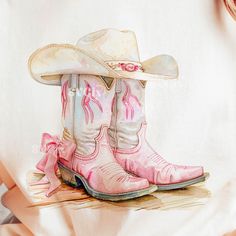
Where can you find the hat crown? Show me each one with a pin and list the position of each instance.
(111, 44)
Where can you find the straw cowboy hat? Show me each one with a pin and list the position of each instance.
(108, 53)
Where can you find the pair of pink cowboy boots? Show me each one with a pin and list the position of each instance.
(104, 146)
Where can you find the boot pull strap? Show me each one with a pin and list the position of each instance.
(74, 82)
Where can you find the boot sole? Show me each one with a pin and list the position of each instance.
(76, 180)
(162, 187)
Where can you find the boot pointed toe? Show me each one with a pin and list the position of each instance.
(136, 183)
(193, 172)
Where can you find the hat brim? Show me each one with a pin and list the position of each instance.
(48, 64)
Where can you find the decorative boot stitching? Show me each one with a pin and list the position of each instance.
(87, 98)
(114, 171)
(103, 135)
(129, 109)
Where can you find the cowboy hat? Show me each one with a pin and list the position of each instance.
(108, 52)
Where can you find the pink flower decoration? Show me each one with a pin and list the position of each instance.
(130, 67)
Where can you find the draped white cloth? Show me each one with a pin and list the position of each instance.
(191, 120)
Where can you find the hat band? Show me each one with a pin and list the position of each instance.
(129, 66)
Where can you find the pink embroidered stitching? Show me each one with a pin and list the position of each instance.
(130, 67)
(64, 98)
(86, 103)
(98, 140)
(129, 109)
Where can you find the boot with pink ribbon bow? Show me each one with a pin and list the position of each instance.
(102, 90)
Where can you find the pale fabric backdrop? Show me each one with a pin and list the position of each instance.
(191, 120)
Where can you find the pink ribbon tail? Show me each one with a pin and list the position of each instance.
(54, 149)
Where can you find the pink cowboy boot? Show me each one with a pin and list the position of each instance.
(93, 163)
(86, 111)
(131, 149)
(88, 102)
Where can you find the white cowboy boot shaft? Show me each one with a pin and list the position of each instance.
(131, 149)
(128, 114)
(92, 110)
(93, 160)
(68, 95)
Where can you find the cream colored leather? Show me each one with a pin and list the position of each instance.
(124, 127)
(90, 115)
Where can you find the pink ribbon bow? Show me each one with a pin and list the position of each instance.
(54, 149)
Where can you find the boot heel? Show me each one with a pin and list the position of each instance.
(69, 177)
